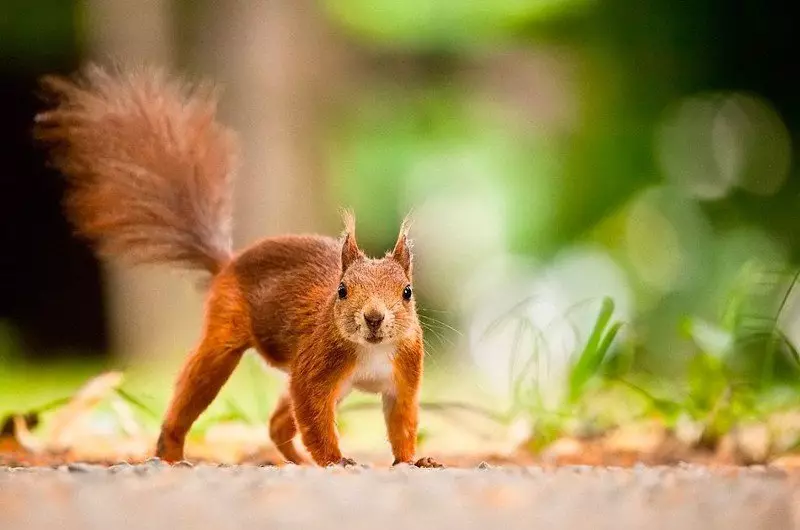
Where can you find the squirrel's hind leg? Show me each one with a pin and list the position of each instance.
(283, 429)
(199, 382)
(225, 339)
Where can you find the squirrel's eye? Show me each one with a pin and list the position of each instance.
(407, 293)
(342, 291)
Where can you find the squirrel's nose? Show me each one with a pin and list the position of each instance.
(374, 319)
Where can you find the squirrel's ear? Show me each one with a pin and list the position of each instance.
(350, 250)
(402, 249)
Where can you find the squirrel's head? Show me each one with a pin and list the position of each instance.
(375, 299)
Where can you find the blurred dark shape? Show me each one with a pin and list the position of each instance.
(51, 289)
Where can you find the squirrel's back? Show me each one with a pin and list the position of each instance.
(149, 167)
(287, 282)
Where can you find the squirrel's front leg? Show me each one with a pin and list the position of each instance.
(316, 382)
(400, 412)
(401, 405)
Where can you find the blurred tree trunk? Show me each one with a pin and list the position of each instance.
(273, 60)
(153, 312)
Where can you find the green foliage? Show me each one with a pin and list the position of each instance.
(9, 343)
(715, 393)
(585, 372)
(448, 25)
(41, 31)
(591, 359)
(709, 399)
(396, 150)
(423, 435)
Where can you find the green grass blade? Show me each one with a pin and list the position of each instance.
(768, 369)
(137, 403)
(666, 408)
(593, 353)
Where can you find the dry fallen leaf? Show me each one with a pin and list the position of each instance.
(65, 421)
(641, 438)
(231, 441)
(24, 437)
(126, 417)
(564, 448)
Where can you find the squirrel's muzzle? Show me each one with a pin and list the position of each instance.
(373, 319)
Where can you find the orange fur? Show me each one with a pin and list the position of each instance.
(283, 429)
(400, 410)
(225, 339)
(150, 169)
(149, 166)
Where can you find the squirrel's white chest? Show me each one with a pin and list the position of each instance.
(374, 370)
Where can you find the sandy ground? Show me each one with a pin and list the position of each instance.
(155, 496)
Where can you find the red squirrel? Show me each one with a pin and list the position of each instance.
(149, 169)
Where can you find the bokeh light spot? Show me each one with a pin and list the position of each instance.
(712, 143)
(653, 246)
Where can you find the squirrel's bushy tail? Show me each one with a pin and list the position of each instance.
(149, 167)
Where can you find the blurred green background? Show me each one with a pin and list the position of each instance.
(554, 153)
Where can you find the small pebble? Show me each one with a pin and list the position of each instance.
(485, 465)
(80, 467)
(184, 463)
(121, 466)
(142, 469)
(154, 462)
(775, 472)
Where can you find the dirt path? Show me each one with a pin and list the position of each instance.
(156, 497)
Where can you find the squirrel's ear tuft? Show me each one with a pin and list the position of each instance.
(402, 249)
(350, 250)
